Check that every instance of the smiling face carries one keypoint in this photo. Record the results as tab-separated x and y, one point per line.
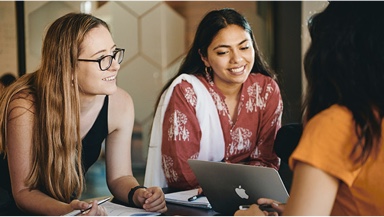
91	80
231	56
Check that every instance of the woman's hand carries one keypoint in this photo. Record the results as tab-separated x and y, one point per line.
96	210
277	206
253	210
151	199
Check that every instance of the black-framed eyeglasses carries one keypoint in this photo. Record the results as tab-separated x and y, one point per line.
106	61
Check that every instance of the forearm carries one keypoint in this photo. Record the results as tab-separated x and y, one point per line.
120	187
37	203
178	173
150	199
180	142
264	153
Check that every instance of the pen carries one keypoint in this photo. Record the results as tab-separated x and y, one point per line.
78	212
194	197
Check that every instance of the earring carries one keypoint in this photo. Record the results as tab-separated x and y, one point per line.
206	70
208	75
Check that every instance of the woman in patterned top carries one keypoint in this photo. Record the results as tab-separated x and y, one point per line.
223	105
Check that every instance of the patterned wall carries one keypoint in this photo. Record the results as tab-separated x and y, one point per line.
153	35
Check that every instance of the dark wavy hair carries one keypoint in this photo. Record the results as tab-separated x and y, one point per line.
344	65
208	28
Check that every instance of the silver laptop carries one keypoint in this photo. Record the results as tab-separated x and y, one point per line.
227	186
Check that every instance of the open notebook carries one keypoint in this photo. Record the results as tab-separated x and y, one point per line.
114	209
181	198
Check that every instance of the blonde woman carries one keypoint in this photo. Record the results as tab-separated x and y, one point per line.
54	120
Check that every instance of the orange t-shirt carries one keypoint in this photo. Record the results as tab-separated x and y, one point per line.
327	143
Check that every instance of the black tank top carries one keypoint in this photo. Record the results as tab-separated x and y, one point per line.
95	136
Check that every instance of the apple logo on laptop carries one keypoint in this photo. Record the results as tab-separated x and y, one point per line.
241	192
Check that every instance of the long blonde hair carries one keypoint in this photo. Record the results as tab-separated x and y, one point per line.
56	155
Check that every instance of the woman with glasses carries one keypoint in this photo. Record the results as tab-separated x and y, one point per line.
54	120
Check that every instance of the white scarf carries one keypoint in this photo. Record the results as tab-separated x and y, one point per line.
212	139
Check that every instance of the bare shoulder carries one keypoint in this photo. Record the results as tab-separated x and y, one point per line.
120	100
21	104
121	110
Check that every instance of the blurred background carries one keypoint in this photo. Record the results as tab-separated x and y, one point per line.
156	36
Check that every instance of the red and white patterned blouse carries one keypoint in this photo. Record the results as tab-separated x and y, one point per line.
249	139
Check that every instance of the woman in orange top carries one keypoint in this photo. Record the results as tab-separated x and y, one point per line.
339	161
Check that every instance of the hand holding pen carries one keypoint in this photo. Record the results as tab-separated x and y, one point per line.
87	210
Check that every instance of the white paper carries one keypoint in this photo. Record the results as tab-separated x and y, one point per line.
114	209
